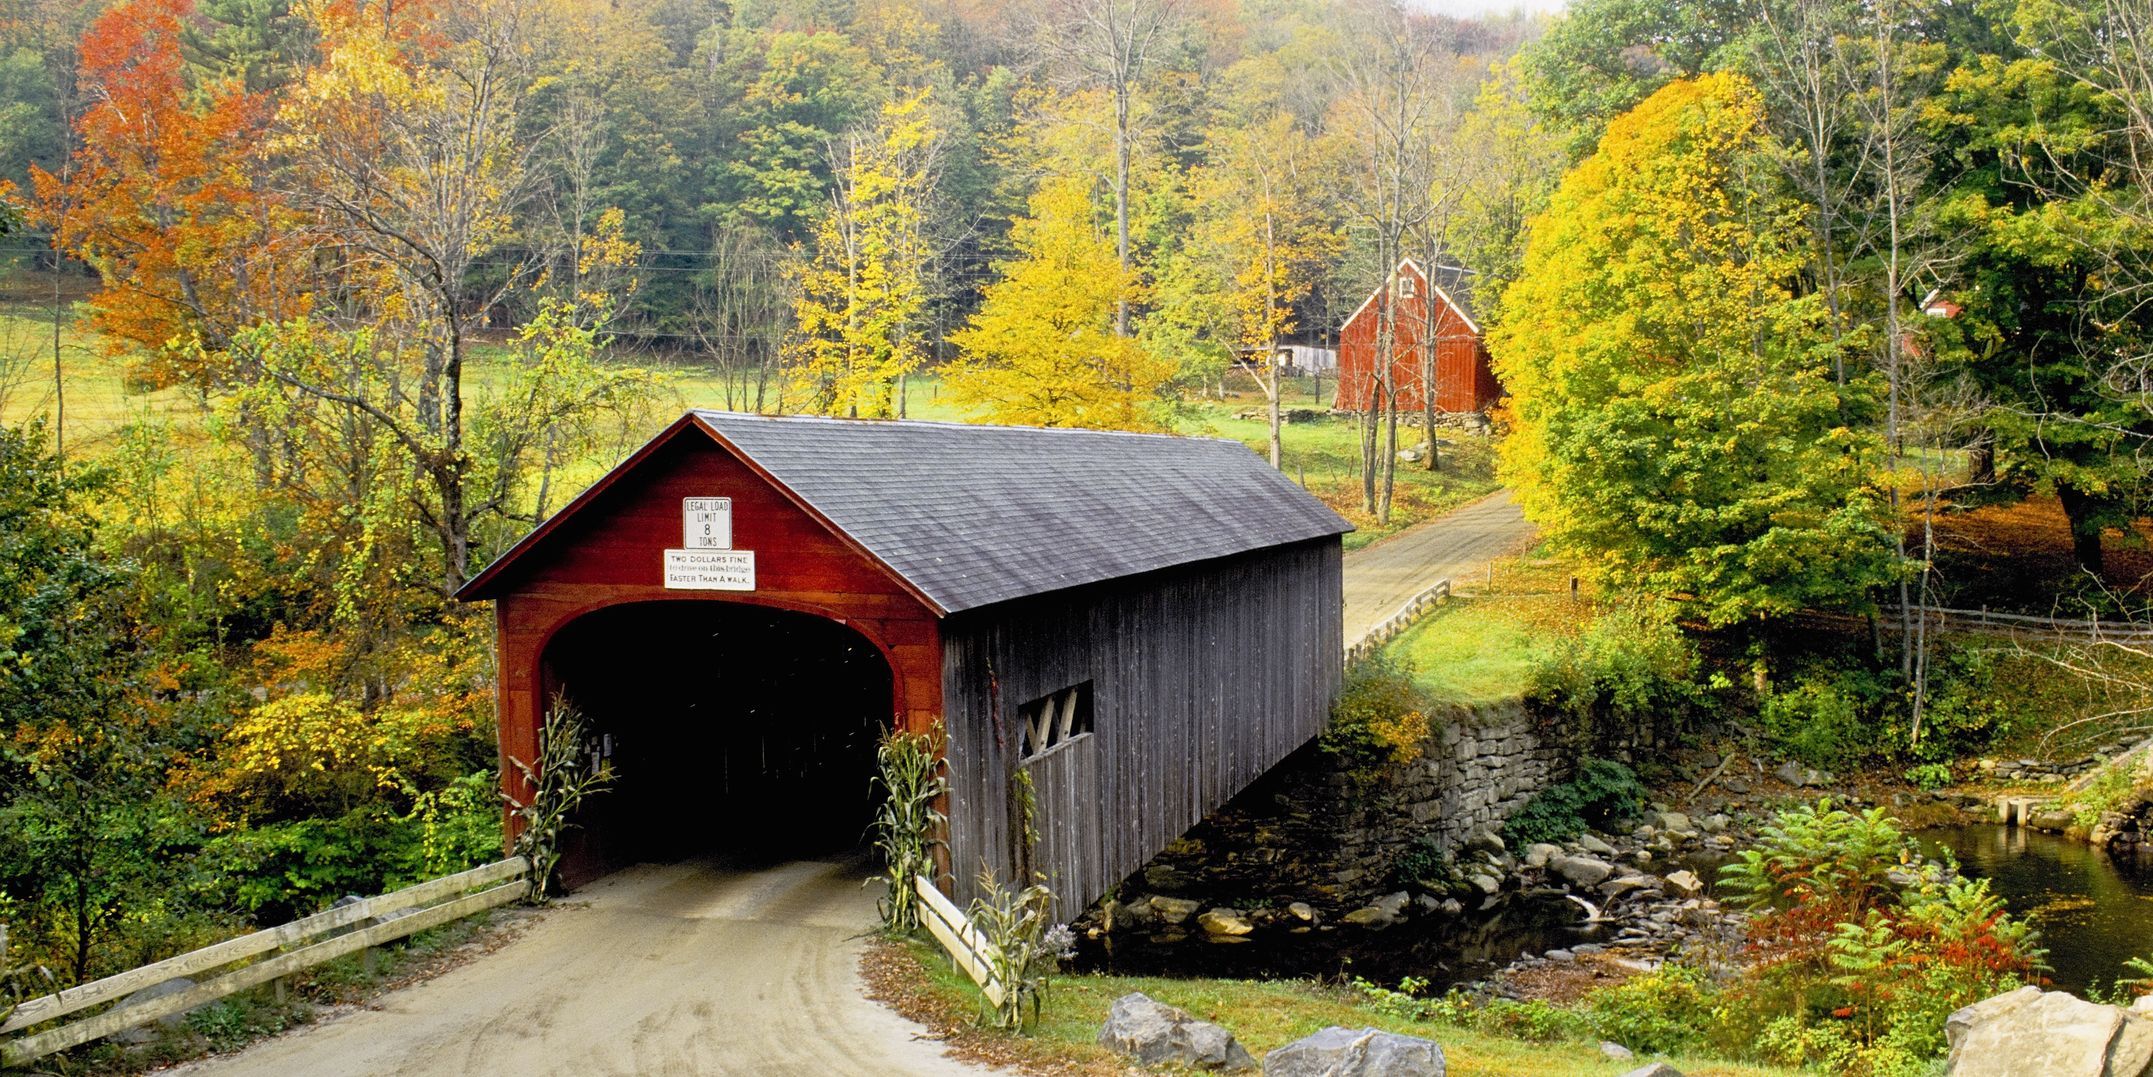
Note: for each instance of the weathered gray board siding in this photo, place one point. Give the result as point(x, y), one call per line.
point(1203, 677)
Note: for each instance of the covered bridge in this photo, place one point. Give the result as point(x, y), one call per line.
point(1144, 624)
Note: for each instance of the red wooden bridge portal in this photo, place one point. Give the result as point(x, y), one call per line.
point(1144, 624)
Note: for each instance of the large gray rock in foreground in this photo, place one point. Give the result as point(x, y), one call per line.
point(2034, 1033)
point(1156, 1034)
point(1355, 1052)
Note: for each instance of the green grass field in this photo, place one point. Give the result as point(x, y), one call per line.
point(1266, 1014)
point(1482, 646)
point(1323, 455)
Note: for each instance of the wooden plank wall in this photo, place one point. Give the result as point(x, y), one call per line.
point(1203, 678)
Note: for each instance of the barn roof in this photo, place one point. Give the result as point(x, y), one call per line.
point(1454, 283)
point(968, 515)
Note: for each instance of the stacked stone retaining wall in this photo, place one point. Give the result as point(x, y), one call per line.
point(1313, 831)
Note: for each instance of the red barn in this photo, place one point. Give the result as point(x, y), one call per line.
point(1463, 379)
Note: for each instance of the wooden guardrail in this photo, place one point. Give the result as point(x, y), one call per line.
point(1398, 622)
point(955, 932)
point(296, 946)
point(2122, 630)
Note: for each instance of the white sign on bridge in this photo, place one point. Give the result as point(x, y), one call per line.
point(707, 523)
point(709, 563)
point(710, 570)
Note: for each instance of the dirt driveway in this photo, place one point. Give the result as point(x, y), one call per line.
point(688, 968)
point(1384, 576)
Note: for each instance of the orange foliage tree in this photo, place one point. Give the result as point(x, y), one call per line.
point(164, 195)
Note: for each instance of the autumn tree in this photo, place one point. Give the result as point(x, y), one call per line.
point(2053, 322)
point(1110, 45)
point(1515, 159)
point(164, 196)
point(405, 155)
point(863, 291)
point(1263, 200)
point(1677, 425)
point(1389, 97)
point(1042, 350)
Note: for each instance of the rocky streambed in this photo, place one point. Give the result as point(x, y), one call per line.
point(1633, 897)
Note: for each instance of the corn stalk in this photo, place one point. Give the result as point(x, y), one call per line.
point(1024, 948)
point(569, 769)
point(907, 828)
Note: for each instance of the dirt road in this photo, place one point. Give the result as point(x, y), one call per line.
point(689, 968)
point(1384, 576)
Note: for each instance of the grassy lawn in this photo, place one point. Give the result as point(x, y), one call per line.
point(1263, 1016)
point(97, 397)
point(1481, 647)
point(1323, 454)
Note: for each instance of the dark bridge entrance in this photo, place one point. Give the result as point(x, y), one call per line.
point(730, 728)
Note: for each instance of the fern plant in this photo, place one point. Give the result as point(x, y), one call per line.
point(2140, 982)
point(907, 828)
point(1819, 855)
point(567, 772)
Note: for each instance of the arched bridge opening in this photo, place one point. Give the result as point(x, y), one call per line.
point(731, 730)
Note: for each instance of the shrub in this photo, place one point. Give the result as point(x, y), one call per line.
point(1665, 1010)
point(1423, 865)
point(1825, 719)
point(1929, 776)
point(1604, 794)
point(1380, 718)
point(1861, 947)
point(1964, 714)
point(1630, 668)
point(1831, 716)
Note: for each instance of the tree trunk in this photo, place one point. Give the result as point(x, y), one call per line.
point(2083, 510)
point(1274, 388)
point(1121, 199)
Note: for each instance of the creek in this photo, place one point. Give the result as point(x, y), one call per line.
point(2093, 911)
point(1442, 950)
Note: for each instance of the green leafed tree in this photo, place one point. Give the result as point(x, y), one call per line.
point(77, 773)
point(1677, 427)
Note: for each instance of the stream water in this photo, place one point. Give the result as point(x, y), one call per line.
point(2093, 912)
point(1441, 950)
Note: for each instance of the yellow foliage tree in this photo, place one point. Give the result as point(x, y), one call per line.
point(1261, 201)
point(1042, 350)
point(862, 293)
point(1676, 425)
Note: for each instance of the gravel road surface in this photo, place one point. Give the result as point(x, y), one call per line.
point(690, 968)
point(1383, 576)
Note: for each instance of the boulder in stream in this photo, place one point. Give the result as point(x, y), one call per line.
point(1582, 870)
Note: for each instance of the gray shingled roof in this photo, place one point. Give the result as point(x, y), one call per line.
point(974, 515)
point(1457, 283)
